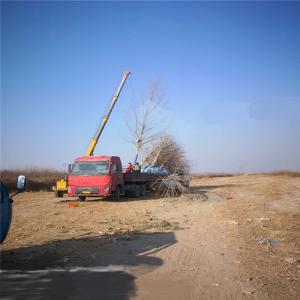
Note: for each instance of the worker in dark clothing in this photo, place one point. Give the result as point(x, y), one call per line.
point(137, 167)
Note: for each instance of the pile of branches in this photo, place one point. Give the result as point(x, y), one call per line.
point(167, 153)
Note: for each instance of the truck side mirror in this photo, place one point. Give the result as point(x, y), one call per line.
point(70, 167)
point(21, 183)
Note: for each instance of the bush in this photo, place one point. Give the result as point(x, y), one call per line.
point(37, 179)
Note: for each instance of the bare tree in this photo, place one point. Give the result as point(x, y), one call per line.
point(144, 122)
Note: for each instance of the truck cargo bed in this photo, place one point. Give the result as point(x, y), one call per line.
point(137, 177)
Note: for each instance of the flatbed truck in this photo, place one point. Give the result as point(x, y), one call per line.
point(103, 176)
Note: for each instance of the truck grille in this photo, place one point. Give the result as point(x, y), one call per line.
point(86, 190)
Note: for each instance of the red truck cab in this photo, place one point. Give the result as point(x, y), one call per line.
point(96, 176)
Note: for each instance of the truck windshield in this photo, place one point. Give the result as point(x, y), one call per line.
point(90, 168)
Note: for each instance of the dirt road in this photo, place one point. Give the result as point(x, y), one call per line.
point(231, 238)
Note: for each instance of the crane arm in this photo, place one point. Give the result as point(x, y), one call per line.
point(105, 118)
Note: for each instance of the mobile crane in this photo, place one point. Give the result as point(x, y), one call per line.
point(61, 185)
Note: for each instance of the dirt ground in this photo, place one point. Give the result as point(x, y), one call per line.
point(230, 238)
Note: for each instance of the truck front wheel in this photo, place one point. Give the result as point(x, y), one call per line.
point(116, 194)
point(82, 198)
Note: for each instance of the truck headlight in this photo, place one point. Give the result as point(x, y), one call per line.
point(106, 189)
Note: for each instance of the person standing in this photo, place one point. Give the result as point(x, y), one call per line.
point(129, 168)
point(137, 167)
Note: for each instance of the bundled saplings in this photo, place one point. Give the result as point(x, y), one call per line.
point(167, 153)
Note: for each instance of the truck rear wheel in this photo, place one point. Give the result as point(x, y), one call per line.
point(143, 190)
point(137, 191)
point(116, 194)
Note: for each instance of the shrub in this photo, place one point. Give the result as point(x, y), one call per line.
point(37, 179)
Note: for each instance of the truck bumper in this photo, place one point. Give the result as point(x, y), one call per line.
point(88, 192)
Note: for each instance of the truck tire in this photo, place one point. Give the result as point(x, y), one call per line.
point(137, 191)
point(116, 194)
point(82, 198)
point(59, 194)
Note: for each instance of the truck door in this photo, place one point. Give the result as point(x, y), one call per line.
point(117, 175)
point(5, 211)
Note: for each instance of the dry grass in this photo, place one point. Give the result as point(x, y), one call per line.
point(37, 179)
point(284, 173)
point(210, 175)
point(275, 173)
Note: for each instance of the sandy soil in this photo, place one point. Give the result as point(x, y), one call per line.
point(230, 238)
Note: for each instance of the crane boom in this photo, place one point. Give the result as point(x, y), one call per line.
point(105, 118)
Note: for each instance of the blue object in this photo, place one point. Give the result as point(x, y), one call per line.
point(5, 212)
point(155, 170)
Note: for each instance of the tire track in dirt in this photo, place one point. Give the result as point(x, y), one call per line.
point(201, 263)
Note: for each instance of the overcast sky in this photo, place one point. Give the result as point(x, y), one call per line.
point(230, 73)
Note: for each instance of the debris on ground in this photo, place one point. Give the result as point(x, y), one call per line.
point(73, 204)
point(268, 242)
point(248, 291)
point(290, 260)
point(262, 219)
point(232, 222)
